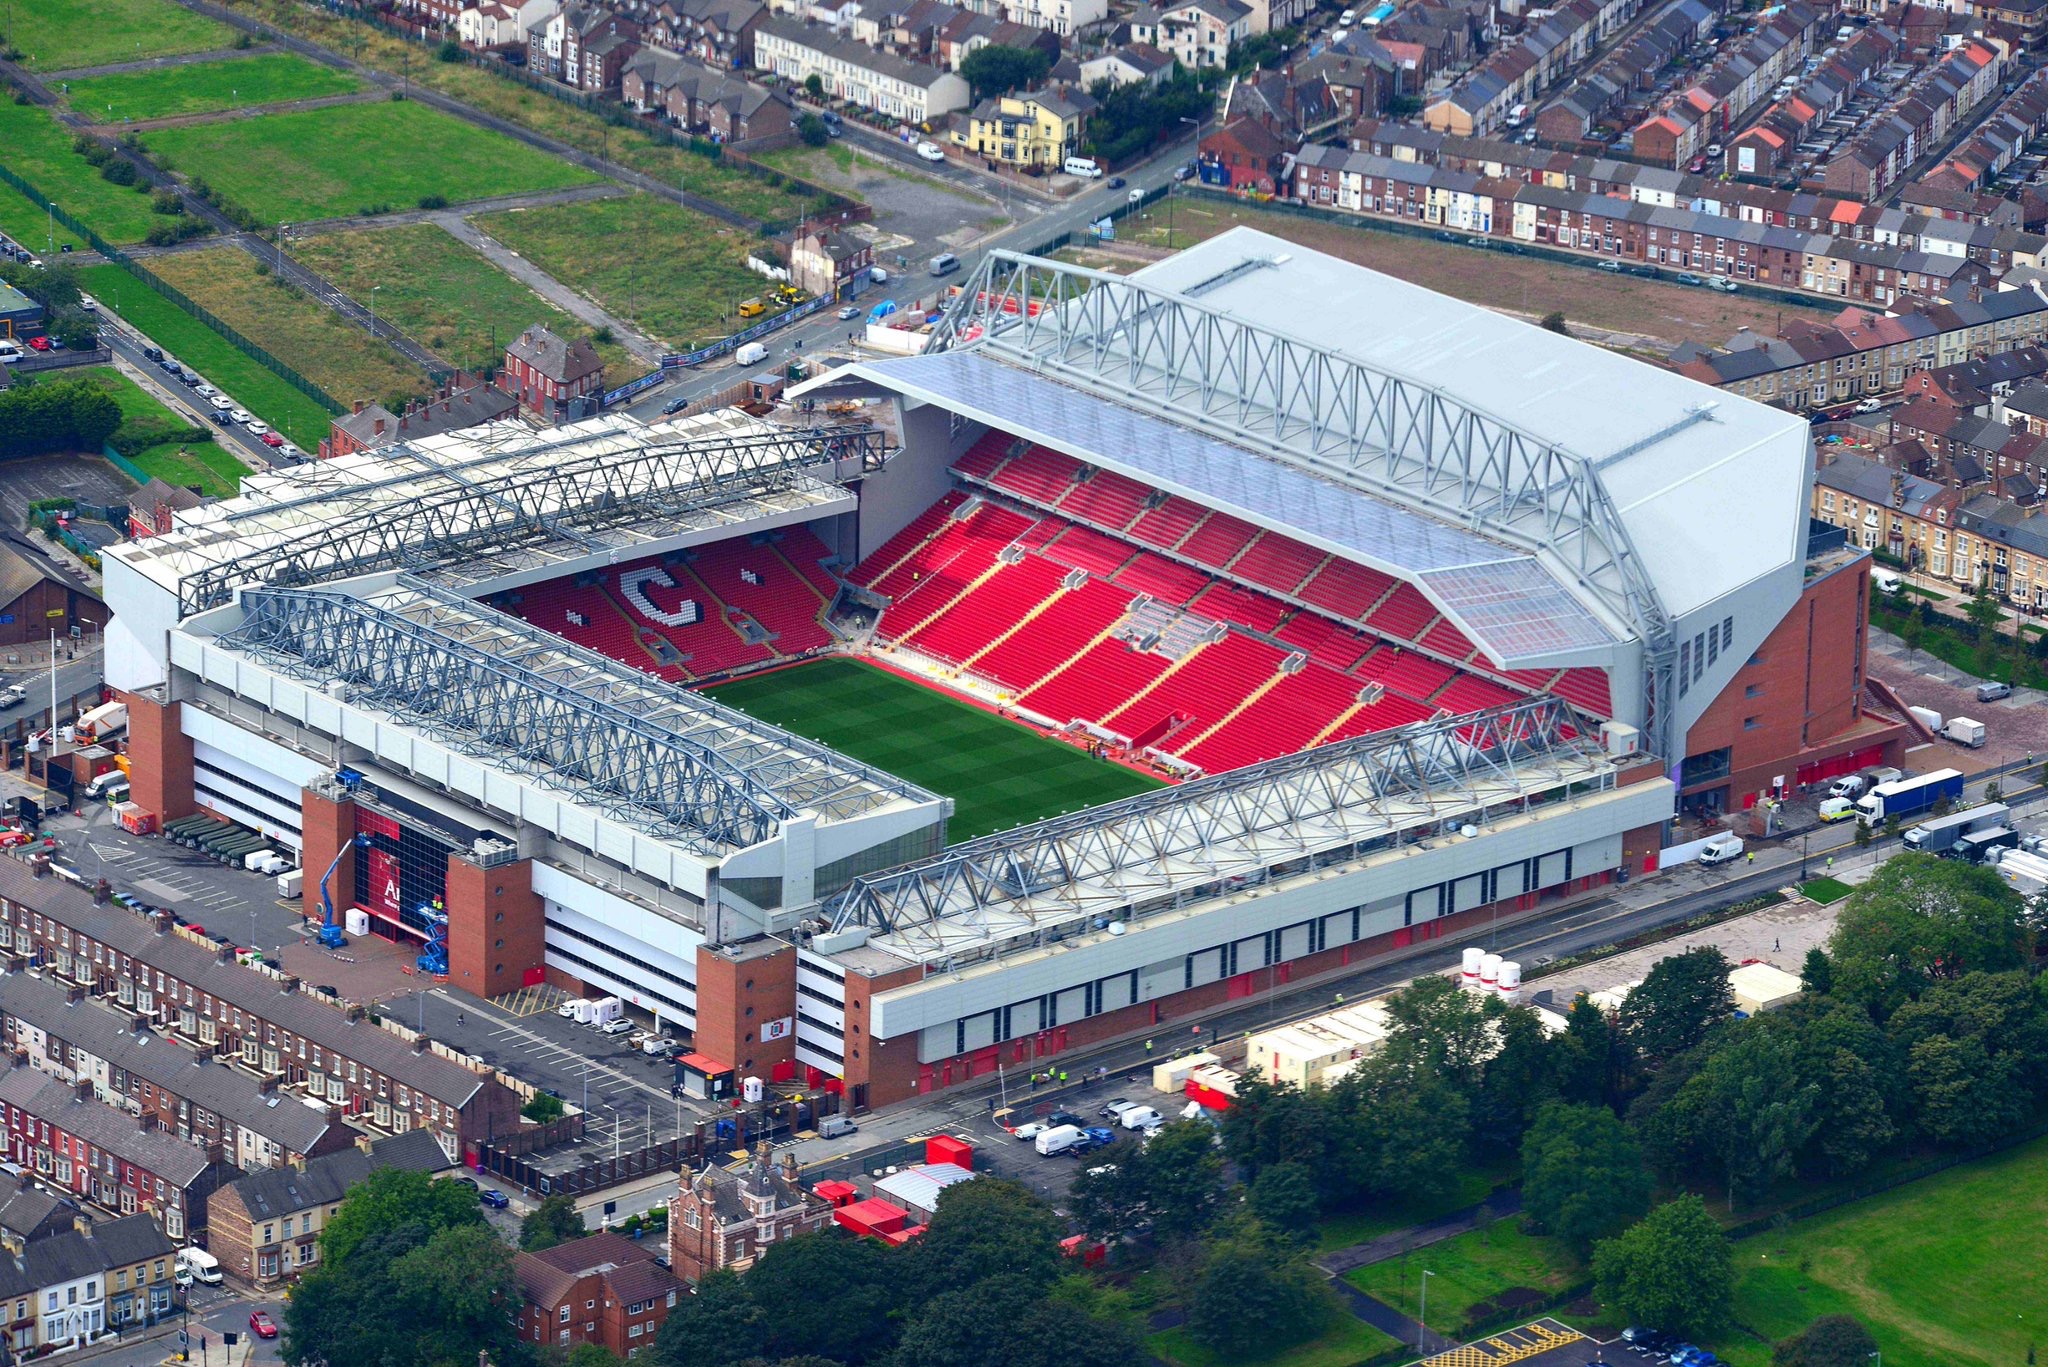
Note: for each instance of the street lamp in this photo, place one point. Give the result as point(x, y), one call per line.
point(1195, 124)
point(373, 308)
point(1422, 1316)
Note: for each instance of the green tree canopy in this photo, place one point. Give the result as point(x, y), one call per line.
point(1251, 1299)
point(1830, 1341)
point(1583, 1178)
point(717, 1327)
point(987, 1228)
point(554, 1221)
point(827, 1295)
point(1285, 1200)
point(1920, 920)
point(998, 70)
point(1673, 1268)
point(389, 1200)
point(1680, 999)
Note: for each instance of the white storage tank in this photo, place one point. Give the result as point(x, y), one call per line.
point(1510, 979)
point(1489, 971)
point(751, 1090)
point(356, 920)
point(1471, 967)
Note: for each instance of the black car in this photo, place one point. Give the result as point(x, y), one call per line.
point(674, 406)
point(1066, 1118)
point(150, 353)
point(1116, 182)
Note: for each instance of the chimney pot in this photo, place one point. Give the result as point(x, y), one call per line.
point(266, 1084)
point(163, 923)
point(377, 429)
point(359, 406)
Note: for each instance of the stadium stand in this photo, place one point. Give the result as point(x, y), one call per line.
point(1168, 523)
point(1108, 499)
point(1162, 578)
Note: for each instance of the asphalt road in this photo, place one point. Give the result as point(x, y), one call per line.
point(127, 344)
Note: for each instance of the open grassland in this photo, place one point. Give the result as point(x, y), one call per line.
point(131, 398)
point(241, 378)
point(203, 466)
point(1346, 1342)
point(355, 159)
point(1470, 1269)
point(998, 773)
point(203, 87)
point(38, 149)
point(63, 35)
point(22, 220)
point(445, 295)
point(307, 335)
point(1946, 1270)
point(673, 273)
point(514, 102)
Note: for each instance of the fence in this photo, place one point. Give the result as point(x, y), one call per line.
point(1123, 210)
point(57, 360)
point(176, 296)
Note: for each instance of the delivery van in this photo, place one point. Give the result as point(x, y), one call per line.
point(1058, 1139)
point(1722, 849)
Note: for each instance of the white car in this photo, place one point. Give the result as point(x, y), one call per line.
point(618, 1027)
point(256, 429)
point(1030, 1131)
point(930, 151)
point(290, 452)
point(85, 301)
point(654, 1046)
point(221, 403)
point(241, 415)
point(567, 1010)
point(205, 390)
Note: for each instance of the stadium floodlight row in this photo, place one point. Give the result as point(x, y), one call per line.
point(1438, 616)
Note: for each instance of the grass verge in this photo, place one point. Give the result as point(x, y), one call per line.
point(242, 378)
point(446, 295)
point(1347, 1341)
point(1825, 891)
point(1474, 1271)
point(203, 87)
point(63, 35)
point(38, 149)
point(355, 159)
point(998, 773)
point(314, 340)
point(202, 466)
point(669, 271)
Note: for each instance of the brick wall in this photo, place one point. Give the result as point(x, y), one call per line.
point(496, 930)
point(736, 998)
point(159, 758)
point(327, 828)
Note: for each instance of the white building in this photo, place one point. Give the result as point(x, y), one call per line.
point(1197, 32)
point(862, 76)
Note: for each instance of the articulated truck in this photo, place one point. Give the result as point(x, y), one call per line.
point(1939, 834)
point(1908, 796)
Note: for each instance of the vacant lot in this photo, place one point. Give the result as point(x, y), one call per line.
point(202, 87)
point(27, 224)
point(1520, 284)
point(246, 381)
point(202, 465)
point(1952, 1269)
point(1473, 1270)
point(998, 773)
point(62, 35)
point(37, 149)
point(131, 398)
point(444, 294)
point(355, 158)
point(676, 274)
point(307, 335)
point(517, 103)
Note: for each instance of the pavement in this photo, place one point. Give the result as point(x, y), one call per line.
point(215, 1311)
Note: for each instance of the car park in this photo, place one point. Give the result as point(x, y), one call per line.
point(618, 1027)
point(38, 343)
point(496, 1200)
point(1031, 1130)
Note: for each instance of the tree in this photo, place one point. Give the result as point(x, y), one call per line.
point(1983, 610)
point(1962, 1095)
point(1583, 1178)
point(998, 70)
point(1441, 1028)
point(1679, 1000)
point(1174, 1183)
point(458, 1294)
point(1276, 1122)
point(1817, 974)
point(64, 415)
point(1673, 1269)
point(814, 86)
point(987, 1228)
point(813, 131)
point(1399, 1132)
point(1920, 920)
point(827, 1295)
point(1586, 1055)
point(592, 1355)
point(1283, 1197)
point(1252, 1301)
point(718, 1326)
point(1010, 1322)
point(1515, 1083)
point(1855, 1125)
point(1756, 1101)
point(542, 1107)
point(554, 1221)
point(390, 1199)
point(1554, 322)
point(1830, 1341)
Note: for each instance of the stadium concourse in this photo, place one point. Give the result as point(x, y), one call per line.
point(1382, 615)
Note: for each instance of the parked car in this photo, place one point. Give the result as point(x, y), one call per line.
point(618, 1027)
point(221, 403)
point(272, 440)
point(1116, 182)
point(38, 343)
point(257, 427)
point(1992, 692)
point(240, 415)
point(1110, 1107)
point(930, 151)
point(496, 1200)
point(847, 311)
point(1066, 1118)
point(1611, 267)
point(1031, 1130)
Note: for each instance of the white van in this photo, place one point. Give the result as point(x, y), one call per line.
point(1722, 849)
point(1885, 581)
point(750, 353)
point(1837, 809)
point(1058, 1139)
point(106, 783)
point(1084, 167)
point(1141, 1118)
point(203, 1266)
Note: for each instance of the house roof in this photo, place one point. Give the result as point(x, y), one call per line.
point(326, 1179)
point(555, 357)
point(628, 1267)
point(100, 1125)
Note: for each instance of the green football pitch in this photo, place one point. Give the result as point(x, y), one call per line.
point(998, 773)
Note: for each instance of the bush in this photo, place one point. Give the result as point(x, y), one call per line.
point(69, 415)
point(118, 172)
point(141, 433)
point(813, 131)
point(433, 201)
point(166, 202)
point(449, 51)
point(542, 1108)
point(175, 230)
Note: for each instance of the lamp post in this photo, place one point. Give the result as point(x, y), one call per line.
point(373, 308)
point(1422, 1316)
point(1195, 124)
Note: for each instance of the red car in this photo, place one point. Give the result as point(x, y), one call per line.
point(265, 1327)
point(38, 344)
point(272, 440)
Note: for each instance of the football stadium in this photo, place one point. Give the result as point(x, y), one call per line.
point(1143, 643)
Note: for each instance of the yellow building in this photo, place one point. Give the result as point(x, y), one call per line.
point(1034, 131)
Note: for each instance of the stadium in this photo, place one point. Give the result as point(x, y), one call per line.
point(1144, 643)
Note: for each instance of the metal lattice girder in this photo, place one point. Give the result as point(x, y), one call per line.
point(1164, 351)
point(453, 514)
point(1149, 846)
point(658, 758)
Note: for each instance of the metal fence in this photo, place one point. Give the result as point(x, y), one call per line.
point(176, 296)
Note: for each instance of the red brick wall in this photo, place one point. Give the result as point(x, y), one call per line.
point(159, 758)
point(736, 998)
point(496, 930)
point(327, 827)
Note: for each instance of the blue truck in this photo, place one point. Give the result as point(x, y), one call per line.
point(1908, 796)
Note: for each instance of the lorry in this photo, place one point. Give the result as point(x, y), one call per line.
point(752, 353)
point(106, 720)
point(1937, 835)
point(1980, 847)
point(291, 883)
point(1964, 731)
point(1058, 1139)
point(2027, 873)
point(1908, 796)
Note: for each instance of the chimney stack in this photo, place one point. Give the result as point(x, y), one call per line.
point(73, 995)
point(377, 428)
point(420, 1043)
point(359, 406)
point(82, 1089)
point(266, 1084)
point(163, 922)
point(289, 985)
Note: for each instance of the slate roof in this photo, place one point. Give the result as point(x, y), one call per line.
point(326, 1179)
point(553, 356)
point(102, 1126)
point(629, 1267)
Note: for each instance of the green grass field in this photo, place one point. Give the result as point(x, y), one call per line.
point(36, 148)
point(445, 295)
point(1343, 1228)
point(62, 35)
point(202, 87)
point(998, 773)
point(311, 338)
point(1471, 1268)
point(1950, 1269)
point(131, 398)
point(1826, 891)
point(27, 224)
point(1347, 1341)
point(206, 467)
point(249, 383)
point(674, 273)
point(355, 158)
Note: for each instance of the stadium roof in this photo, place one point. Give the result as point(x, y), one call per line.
point(488, 502)
point(662, 759)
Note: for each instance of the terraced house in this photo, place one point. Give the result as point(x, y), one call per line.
point(859, 75)
point(257, 1019)
point(70, 1286)
point(265, 1227)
